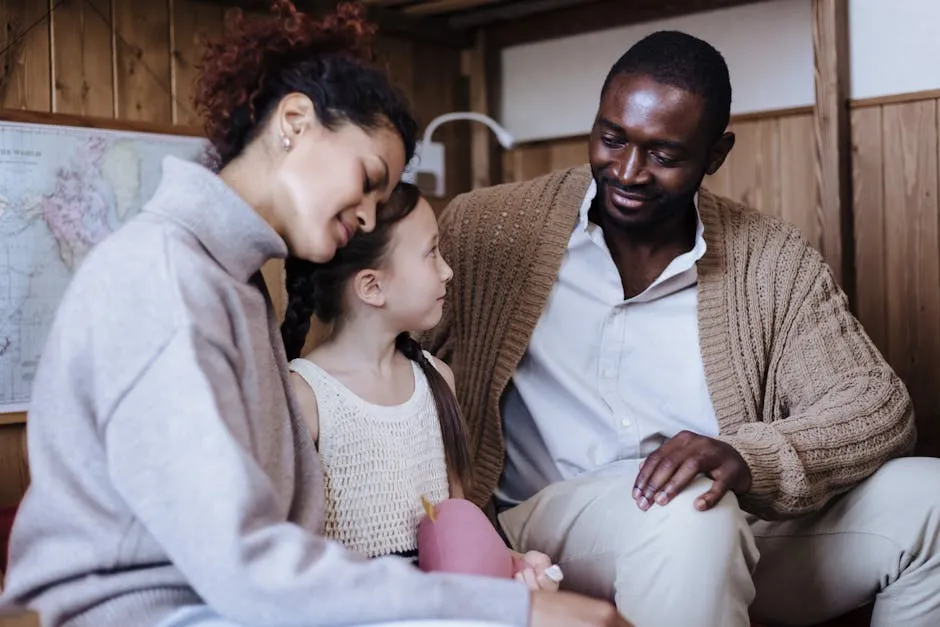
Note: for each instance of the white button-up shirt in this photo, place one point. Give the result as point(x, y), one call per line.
point(604, 381)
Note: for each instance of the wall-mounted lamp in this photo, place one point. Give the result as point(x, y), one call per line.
point(427, 168)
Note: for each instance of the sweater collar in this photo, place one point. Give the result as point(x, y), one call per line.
point(231, 231)
point(709, 211)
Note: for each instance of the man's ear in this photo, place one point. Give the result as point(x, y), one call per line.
point(720, 152)
point(368, 287)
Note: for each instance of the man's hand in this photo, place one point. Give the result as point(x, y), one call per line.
point(676, 463)
point(565, 609)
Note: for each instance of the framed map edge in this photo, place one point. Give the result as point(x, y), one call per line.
point(93, 122)
point(17, 415)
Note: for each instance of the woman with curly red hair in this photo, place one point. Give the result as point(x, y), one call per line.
point(173, 479)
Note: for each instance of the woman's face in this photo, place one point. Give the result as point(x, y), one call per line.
point(327, 183)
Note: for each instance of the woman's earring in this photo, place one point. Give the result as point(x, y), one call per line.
point(285, 142)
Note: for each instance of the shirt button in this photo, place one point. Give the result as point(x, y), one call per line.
point(625, 422)
point(609, 374)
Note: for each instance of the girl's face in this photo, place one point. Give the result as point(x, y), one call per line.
point(327, 183)
point(414, 275)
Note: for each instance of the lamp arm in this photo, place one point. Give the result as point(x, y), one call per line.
point(505, 139)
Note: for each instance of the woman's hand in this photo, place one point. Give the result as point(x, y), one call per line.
point(564, 609)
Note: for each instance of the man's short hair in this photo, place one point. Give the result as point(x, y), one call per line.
point(681, 60)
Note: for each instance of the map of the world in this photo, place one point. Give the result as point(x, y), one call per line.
point(62, 191)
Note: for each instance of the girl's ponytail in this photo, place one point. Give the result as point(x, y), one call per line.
point(453, 432)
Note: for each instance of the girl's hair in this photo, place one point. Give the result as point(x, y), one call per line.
point(317, 290)
point(245, 74)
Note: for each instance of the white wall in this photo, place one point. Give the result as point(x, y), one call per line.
point(550, 89)
point(895, 46)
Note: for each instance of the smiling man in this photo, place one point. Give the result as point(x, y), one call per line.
point(666, 391)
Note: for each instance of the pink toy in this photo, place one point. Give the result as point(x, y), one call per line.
point(457, 537)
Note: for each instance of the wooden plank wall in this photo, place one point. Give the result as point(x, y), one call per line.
point(895, 170)
point(133, 60)
point(771, 169)
point(530, 160)
point(895, 177)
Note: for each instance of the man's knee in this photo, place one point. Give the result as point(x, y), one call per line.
point(713, 551)
point(726, 514)
point(908, 483)
point(900, 502)
point(721, 533)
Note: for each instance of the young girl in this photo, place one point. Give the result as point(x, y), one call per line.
point(173, 481)
point(382, 411)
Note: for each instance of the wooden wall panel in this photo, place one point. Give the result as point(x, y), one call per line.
point(25, 67)
point(911, 258)
point(142, 48)
point(531, 160)
point(83, 72)
point(754, 165)
point(480, 90)
point(397, 56)
point(434, 87)
point(193, 22)
point(440, 87)
point(14, 475)
point(771, 170)
point(797, 180)
point(833, 137)
point(869, 219)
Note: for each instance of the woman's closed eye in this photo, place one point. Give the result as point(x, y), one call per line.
point(368, 183)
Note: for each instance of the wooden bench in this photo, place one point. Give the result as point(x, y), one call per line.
point(26, 619)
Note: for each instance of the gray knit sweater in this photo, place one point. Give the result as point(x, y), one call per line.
point(169, 462)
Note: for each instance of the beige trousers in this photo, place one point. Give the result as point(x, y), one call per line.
point(675, 566)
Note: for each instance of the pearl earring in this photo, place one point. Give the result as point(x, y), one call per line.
point(285, 142)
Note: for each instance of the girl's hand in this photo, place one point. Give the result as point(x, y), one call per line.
point(531, 570)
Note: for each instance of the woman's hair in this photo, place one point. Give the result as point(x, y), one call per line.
point(245, 74)
point(317, 290)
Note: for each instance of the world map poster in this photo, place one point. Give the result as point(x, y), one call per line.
point(63, 189)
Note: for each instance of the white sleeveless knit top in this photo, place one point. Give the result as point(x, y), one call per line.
point(378, 462)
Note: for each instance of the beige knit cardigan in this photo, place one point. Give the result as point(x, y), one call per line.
point(798, 388)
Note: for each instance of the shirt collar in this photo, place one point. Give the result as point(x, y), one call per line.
point(233, 233)
point(698, 249)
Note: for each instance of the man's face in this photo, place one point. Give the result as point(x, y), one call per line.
point(650, 147)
